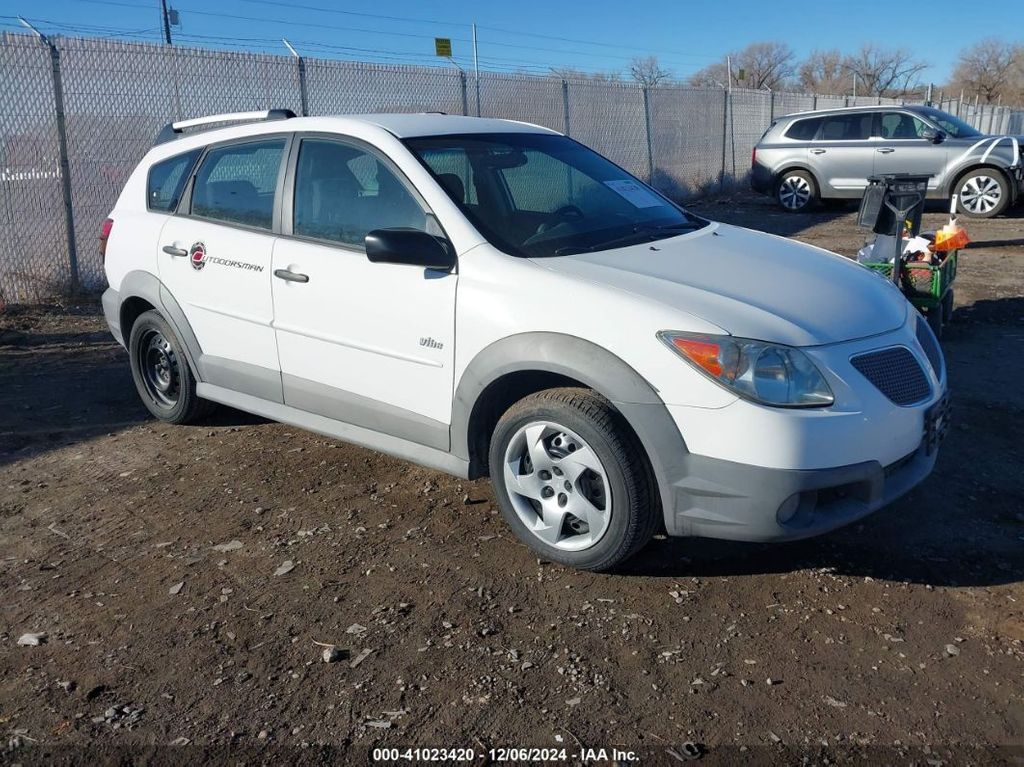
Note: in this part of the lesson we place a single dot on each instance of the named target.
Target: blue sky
(537, 34)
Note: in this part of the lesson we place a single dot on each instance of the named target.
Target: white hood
(750, 284)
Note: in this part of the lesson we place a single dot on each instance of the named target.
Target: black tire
(934, 317)
(635, 510)
(796, 191)
(160, 369)
(983, 179)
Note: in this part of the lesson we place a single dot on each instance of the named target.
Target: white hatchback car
(487, 297)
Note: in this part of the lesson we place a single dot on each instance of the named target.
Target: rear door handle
(289, 276)
(886, 150)
(171, 250)
(817, 151)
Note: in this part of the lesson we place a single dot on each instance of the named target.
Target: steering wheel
(558, 216)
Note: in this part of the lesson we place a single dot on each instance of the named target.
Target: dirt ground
(187, 578)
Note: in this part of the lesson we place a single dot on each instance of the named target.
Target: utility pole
(476, 70)
(167, 22)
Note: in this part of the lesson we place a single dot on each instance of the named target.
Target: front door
(364, 343)
(215, 259)
(899, 147)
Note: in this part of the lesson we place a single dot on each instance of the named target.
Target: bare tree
(759, 65)
(648, 72)
(992, 69)
(824, 72)
(885, 71)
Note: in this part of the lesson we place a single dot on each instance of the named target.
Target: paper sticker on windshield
(634, 193)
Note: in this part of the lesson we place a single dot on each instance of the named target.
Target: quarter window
(846, 127)
(804, 130)
(167, 180)
(236, 183)
(343, 192)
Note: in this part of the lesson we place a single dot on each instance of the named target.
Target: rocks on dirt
(233, 545)
(176, 588)
(32, 640)
(952, 650)
(363, 655)
(286, 567)
(335, 654)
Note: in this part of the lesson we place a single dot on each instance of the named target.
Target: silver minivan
(829, 155)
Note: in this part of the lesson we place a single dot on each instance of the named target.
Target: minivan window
(804, 130)
(167, 180)
(954, 126)
(236, 183)
(846, 127)
(899, 125)
(343, 192)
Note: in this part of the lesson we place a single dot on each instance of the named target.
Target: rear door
(841, 155)
(899, 147)
(215, 259)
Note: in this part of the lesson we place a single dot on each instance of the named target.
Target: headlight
(767, 373)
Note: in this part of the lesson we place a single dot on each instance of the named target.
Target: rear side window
(850, 127)
(167, 180)
(236, 183)
(804, 130)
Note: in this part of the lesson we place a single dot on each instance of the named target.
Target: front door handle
(886, 150)
(289, 276)
(171, 250)
(817, 151)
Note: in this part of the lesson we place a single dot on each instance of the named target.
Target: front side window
(167, 180)
(846, 127)
(952, 125)
(236, 183)
(343, 192)
(538, 195)
(899, 125)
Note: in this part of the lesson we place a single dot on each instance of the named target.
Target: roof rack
(171, 131)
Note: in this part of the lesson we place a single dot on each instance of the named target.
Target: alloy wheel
(794, 192)
(557, 485)
(980, 194)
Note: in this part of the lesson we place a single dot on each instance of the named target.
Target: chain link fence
(78, 114)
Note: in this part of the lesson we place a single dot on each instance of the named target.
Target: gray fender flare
(593, 366)
(139, 284)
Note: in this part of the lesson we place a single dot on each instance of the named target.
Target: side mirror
(935, 136)
(409, 246)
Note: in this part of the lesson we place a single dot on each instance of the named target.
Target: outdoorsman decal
(199, 258)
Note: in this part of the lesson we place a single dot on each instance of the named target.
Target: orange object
(704, 353)
(951, 237)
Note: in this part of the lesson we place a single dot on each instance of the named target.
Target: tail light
(104, 236)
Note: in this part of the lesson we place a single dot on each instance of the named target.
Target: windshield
(539, 195)
(954, 126)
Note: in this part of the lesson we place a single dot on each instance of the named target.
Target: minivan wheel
(570, 479)
(796, 191)
(161, 372)
(982, 193)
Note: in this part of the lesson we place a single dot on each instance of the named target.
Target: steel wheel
(981, 194)
(558, 486)
(795, 192)
(159, 366)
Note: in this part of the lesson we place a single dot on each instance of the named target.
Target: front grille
(896, 373)
(930, 344)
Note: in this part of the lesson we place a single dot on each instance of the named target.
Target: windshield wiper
(650, 233)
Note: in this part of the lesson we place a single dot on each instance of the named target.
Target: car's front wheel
(796, 191)
(982, 193)
(163, 378)
(571, 481)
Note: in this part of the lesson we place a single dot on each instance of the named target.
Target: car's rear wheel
(796, 191)
(982, 193)
(162, 375)
(571, 481)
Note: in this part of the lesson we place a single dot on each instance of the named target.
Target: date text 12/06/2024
(399, 754)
